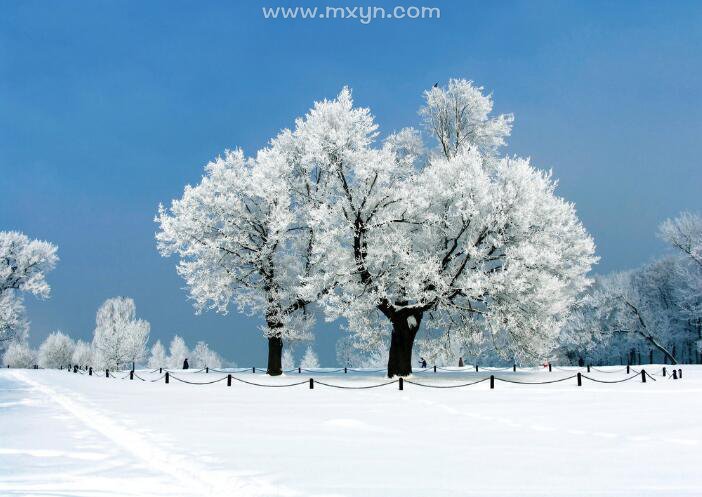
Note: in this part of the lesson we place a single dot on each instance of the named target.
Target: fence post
(253, 369)
(627, 368)
(229, 380)
(90, 371)
(107, 373)
(160, 370)
(549, 367)
(643, 376)
(588, 368)
(75, 369)
(580, 380)
(476, 368)
(675, 375)
(311, 383)
(664, 371)
(402, 383)
(344, 369)
(167, 378)
(680, 373)
(492, 381)
(299, 370)
(207, 369)
(514, 368)
(131, 374)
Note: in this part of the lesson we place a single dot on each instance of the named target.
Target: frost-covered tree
(158, 358)
(287, 359)
(178, 352)
(203, 356)
(23, 267)
(119, 338)
(309, 359)
(56, 350)
(19, 355)
(82, 354)
(238, 239)
(460, 238)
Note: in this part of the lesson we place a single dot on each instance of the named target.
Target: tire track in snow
(195, 479)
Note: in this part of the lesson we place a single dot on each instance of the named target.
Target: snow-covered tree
(158, 358)
(309, 359)
(238, 240)
(468, 239)
(23, 267)
(56, 350)
(202, 356)
(178, 352)
(19, 355)
(119, 338)
(287, 359)
(82, 354)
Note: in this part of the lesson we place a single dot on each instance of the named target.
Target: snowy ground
(64, 434)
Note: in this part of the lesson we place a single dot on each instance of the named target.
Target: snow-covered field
(65, 434)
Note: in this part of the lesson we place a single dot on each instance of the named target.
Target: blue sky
(108, 108)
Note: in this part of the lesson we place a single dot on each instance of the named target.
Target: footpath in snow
(65, 434)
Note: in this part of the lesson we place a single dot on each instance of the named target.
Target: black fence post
(588, 368)
(167, 378)
(675, 375)
(311, 383)
(476, 368)
(229, 380)
(664, 371)
(580, 380)
(299, 370)
(61, 368)
(75, 369)
(160, 370)
(107, 373)
(435, 368)
(643, 376)
(680, 373)
(627, 368)
(402, 383)
(253, 369)
(131, 374)
(344, 369)
(549, 367)
(207, 369)
(90, 371)
(492, 381)
(514, 368)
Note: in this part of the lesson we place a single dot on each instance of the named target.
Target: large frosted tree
(459, 237)
(238, 240)
(23, 267)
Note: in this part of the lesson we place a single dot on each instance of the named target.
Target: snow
(66, 434)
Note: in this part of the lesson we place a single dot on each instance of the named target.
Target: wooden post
(75, 369)
(401, 383)
(627, 368)
(207, 369)
(435, 368)
(643, 376)
(514, 368)
(344, 369)
(476, 368)
(90, 371)
(299, 370)
(588, 368)
(675, 374)
(580, 380)
(680, 373)
(311, 383)
(160, 370)
(167, 378)
(492, 381)
(664, 371)
(229, 380)
(253, 369)
(107, 373)
(549, 367)
(131, 374)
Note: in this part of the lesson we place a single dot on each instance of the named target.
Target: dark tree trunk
(401, 343)
(275, 355)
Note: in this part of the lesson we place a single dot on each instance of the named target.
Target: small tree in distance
(56, 351)
(158, 358)
(310, 359)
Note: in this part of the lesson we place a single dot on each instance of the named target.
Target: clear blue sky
(108, 108)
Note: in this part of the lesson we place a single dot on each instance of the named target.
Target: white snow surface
(72, 435)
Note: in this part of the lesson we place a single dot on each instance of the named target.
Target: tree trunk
(404, 330)
(275, 355)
